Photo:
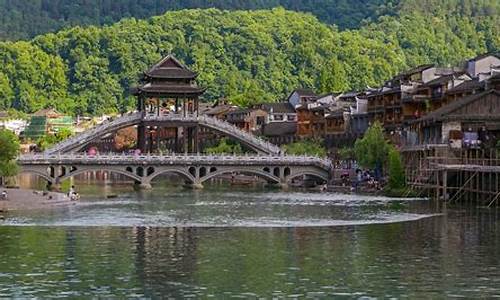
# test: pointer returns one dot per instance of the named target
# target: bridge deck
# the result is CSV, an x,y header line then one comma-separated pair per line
x,y
117,159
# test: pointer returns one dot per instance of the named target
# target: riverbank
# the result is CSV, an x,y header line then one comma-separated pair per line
x,y
26,199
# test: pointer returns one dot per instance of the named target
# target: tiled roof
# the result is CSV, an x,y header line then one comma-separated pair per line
x,y
447,109
171,89
279,107
170,68
479,57
468,85
219,109
415,70
279,129
305,92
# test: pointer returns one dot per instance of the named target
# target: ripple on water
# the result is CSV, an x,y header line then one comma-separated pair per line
x,y
226,209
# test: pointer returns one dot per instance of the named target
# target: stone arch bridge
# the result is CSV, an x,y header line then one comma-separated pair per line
x,y
78,142
194,169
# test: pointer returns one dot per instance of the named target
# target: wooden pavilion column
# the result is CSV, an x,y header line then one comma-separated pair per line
x,y
158,138
197,106
196,139
176,142
184,113
141,137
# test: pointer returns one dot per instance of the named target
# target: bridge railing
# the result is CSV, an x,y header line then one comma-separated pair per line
x,y
218,124
131,117
173,158
76,139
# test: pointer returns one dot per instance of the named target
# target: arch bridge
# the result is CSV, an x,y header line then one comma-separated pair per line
x,y
78,142
194,169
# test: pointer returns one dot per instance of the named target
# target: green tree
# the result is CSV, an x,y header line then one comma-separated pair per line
x,y
245,56
49,140
371,151
333,77
225,146
397,179
9,149
306,147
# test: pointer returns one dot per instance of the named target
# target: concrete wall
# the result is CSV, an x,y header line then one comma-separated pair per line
x,y
483,65
428,75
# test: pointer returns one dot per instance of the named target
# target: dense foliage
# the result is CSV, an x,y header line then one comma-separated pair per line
x,y
21,19
9,149
307,147
397,179
225,146
371,151
49,140
246,56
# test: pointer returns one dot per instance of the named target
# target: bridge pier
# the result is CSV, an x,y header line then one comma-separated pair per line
x,y
54,187
143,185
194,186
277,185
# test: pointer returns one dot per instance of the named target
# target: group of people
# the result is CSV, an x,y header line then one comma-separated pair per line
x,y
367,177
73,196
363,177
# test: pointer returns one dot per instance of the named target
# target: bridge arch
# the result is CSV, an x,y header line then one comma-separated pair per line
x,y
37,173
184,174
258,173
78,142
103,169
315,174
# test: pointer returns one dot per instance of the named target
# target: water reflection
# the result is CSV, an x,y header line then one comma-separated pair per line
x,y
435,257
450,255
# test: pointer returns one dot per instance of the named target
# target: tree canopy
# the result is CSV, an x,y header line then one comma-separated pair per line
x,y
397,179
9,149
244,56
22,19
371,151
307,147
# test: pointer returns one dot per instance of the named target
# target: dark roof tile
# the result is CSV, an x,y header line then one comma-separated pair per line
x,y
279,128
447,109
279,107
170,68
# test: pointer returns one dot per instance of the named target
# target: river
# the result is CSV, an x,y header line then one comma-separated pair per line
x,y
248,242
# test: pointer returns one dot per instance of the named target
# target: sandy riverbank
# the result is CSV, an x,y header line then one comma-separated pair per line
x,y
25,199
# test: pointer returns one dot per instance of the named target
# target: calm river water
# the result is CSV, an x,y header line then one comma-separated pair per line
x,y
226,242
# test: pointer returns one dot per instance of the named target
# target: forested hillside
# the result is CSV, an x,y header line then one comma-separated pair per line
x,y
246,56
22,19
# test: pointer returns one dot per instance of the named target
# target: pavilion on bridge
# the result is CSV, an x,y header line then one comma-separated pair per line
x,y
168,87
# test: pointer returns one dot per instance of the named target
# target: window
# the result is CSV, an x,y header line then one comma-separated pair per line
x,y
278,117
291,118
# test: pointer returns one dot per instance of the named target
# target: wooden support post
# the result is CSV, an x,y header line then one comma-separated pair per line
x,y
158,138
438,187
176,142
141,137
196,139
445,185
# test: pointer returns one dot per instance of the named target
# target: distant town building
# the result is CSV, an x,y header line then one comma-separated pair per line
x,y
47,121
